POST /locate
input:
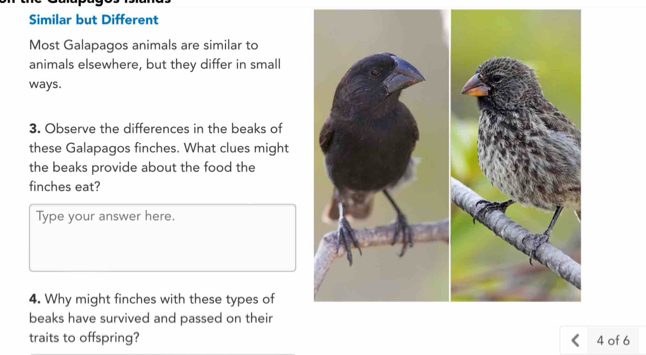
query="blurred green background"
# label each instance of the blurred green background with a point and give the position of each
(340, 39)
(483, 266)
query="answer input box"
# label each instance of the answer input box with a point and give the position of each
(158, 238)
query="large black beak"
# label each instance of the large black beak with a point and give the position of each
(475, 87)
(403, 76)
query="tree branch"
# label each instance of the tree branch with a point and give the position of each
(514, 234)
(367, 237)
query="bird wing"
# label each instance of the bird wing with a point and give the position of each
(325, 137)
(405, 114)
(415, 132)
(557, 121)
(561, 148)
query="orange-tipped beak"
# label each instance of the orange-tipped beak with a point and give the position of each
(475, 87)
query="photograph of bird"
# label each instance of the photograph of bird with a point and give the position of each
(367, 140)
(527, 148)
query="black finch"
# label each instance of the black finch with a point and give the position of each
(367, 141)
(527, 148)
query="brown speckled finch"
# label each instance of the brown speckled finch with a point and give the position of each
(527, 148)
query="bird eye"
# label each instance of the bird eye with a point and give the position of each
(374, 72)
(497, 78)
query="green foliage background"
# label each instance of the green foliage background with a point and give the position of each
(483, 267)
(340, 39)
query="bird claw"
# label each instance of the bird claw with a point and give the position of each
(402, 227)
(536, 240)
(345, 235)
(490, 206)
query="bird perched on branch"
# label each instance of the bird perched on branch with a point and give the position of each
(367, 141)
(527, 148)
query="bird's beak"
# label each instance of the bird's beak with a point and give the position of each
(403, 76)
(475, 87)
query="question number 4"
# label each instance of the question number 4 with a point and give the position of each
(33, 299)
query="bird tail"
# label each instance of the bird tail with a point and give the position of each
(360, 208)
(578, 214)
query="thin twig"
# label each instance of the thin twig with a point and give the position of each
(515, 234)
(367, 237)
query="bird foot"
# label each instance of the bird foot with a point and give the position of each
(490, 206)
(345, 235)
(535, 241)
(402, 227)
